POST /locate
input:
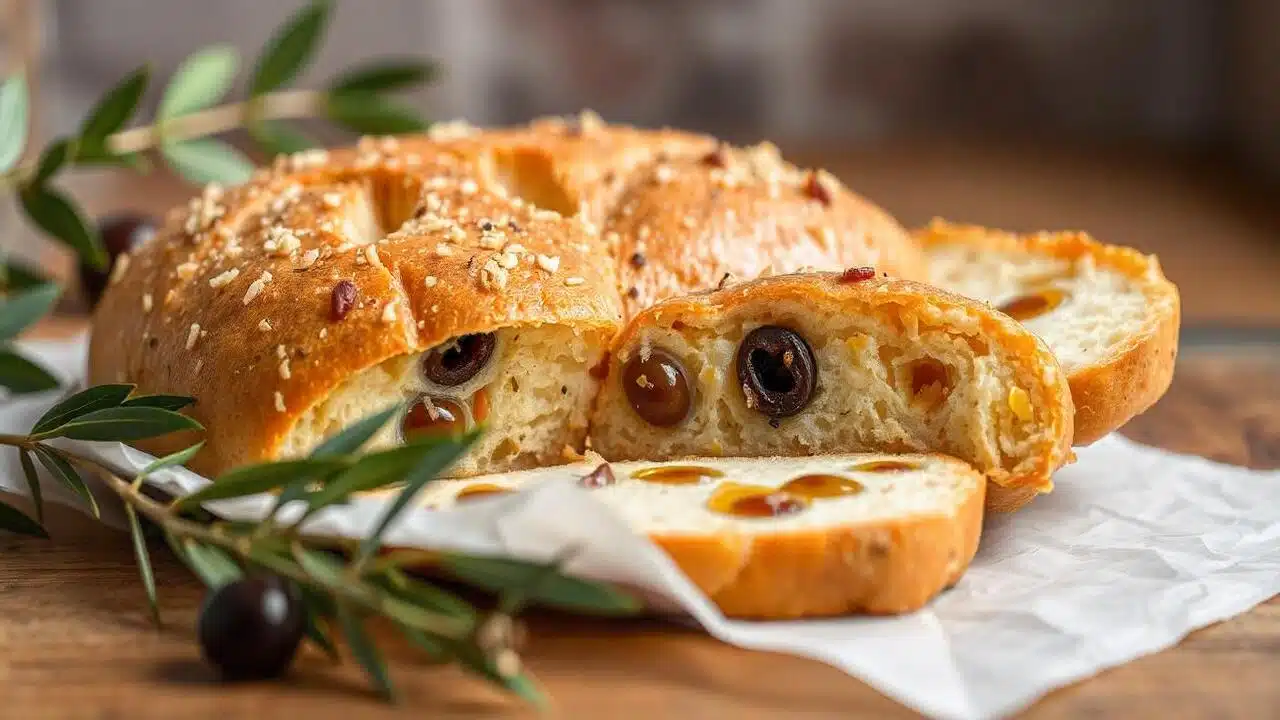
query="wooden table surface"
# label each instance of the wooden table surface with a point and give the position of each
(75, 640)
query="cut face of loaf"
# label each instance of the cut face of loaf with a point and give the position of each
(1107, 312)
(803, 365)
(787, 538)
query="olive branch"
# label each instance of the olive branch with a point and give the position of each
(341, 583)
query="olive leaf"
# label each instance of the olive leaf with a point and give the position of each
(21, 375)
(178, 458)
(398, 583)
(122, 424)
(262, 477)
(518, 684)
(200, 81)
(290, 48)
(63, 472)
(365, 652)
(144, 561)
(115, 108)
(354, 436)
(14, 520)
(16, 276)
(52, 160)
(164, 402)
(424, 471)
(370, 472)
(214, 566)
(13, 120)
(318, 609)
(385, 76)
(372, 114)
(21, 309)
(279, 138)
(54, 213)
(556, 590)
(81, 403)
(205, 160)
(33, 483)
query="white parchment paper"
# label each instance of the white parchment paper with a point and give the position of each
(1136, 548)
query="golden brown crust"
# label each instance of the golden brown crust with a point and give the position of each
(874, 568)
(689, 223)
(1135, 374)
(916, 304)
(259, 358)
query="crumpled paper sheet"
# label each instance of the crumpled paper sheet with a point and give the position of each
(1134, 549)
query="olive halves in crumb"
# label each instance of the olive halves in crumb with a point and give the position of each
(776, 371)
(458, 360)
(657, 388)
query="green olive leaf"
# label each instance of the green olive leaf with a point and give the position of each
(63, 472)
(365, 652)
(14, 520)
(164, 402)
(205, 160)
(115, 108)
(122, 424)
(144, 561)
(53, 212)
(385, 75)
(16, 276)
(276, 137)
(199, 82)
(372, 114)
(178, 458)
(33, 483)
(81, 403)
(21, 375)
(289, 50)
(14, 113)
(503, 575)
(262, 477)
(52, 160)
(211, 563)
(20, 310)
(354, 436)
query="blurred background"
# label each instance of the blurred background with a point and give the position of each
(1152, 123)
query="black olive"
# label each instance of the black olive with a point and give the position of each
(459, 360)
(120, 234)
(657, 388)
(777, 371)
(250, 629)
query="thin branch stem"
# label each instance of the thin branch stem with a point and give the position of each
(291, 104)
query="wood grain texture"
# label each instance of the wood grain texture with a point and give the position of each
(75, 640)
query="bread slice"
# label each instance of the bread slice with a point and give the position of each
(1107, 312)
(893, 532)
(805, 364)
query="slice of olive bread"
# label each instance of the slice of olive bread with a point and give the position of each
(1107, 312)
(805, 364)
(787, 538)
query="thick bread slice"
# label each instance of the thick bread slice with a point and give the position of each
(1114, 328)
(899, 367)
(902, 534)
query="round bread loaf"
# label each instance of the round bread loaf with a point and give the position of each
(776, 538)
(471, 273)
(806, 364)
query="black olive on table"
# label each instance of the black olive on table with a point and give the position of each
(120, 234)
(777, 371)
(250, 629)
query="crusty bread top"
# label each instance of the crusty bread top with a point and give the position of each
(690, 223)
(232, 301)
